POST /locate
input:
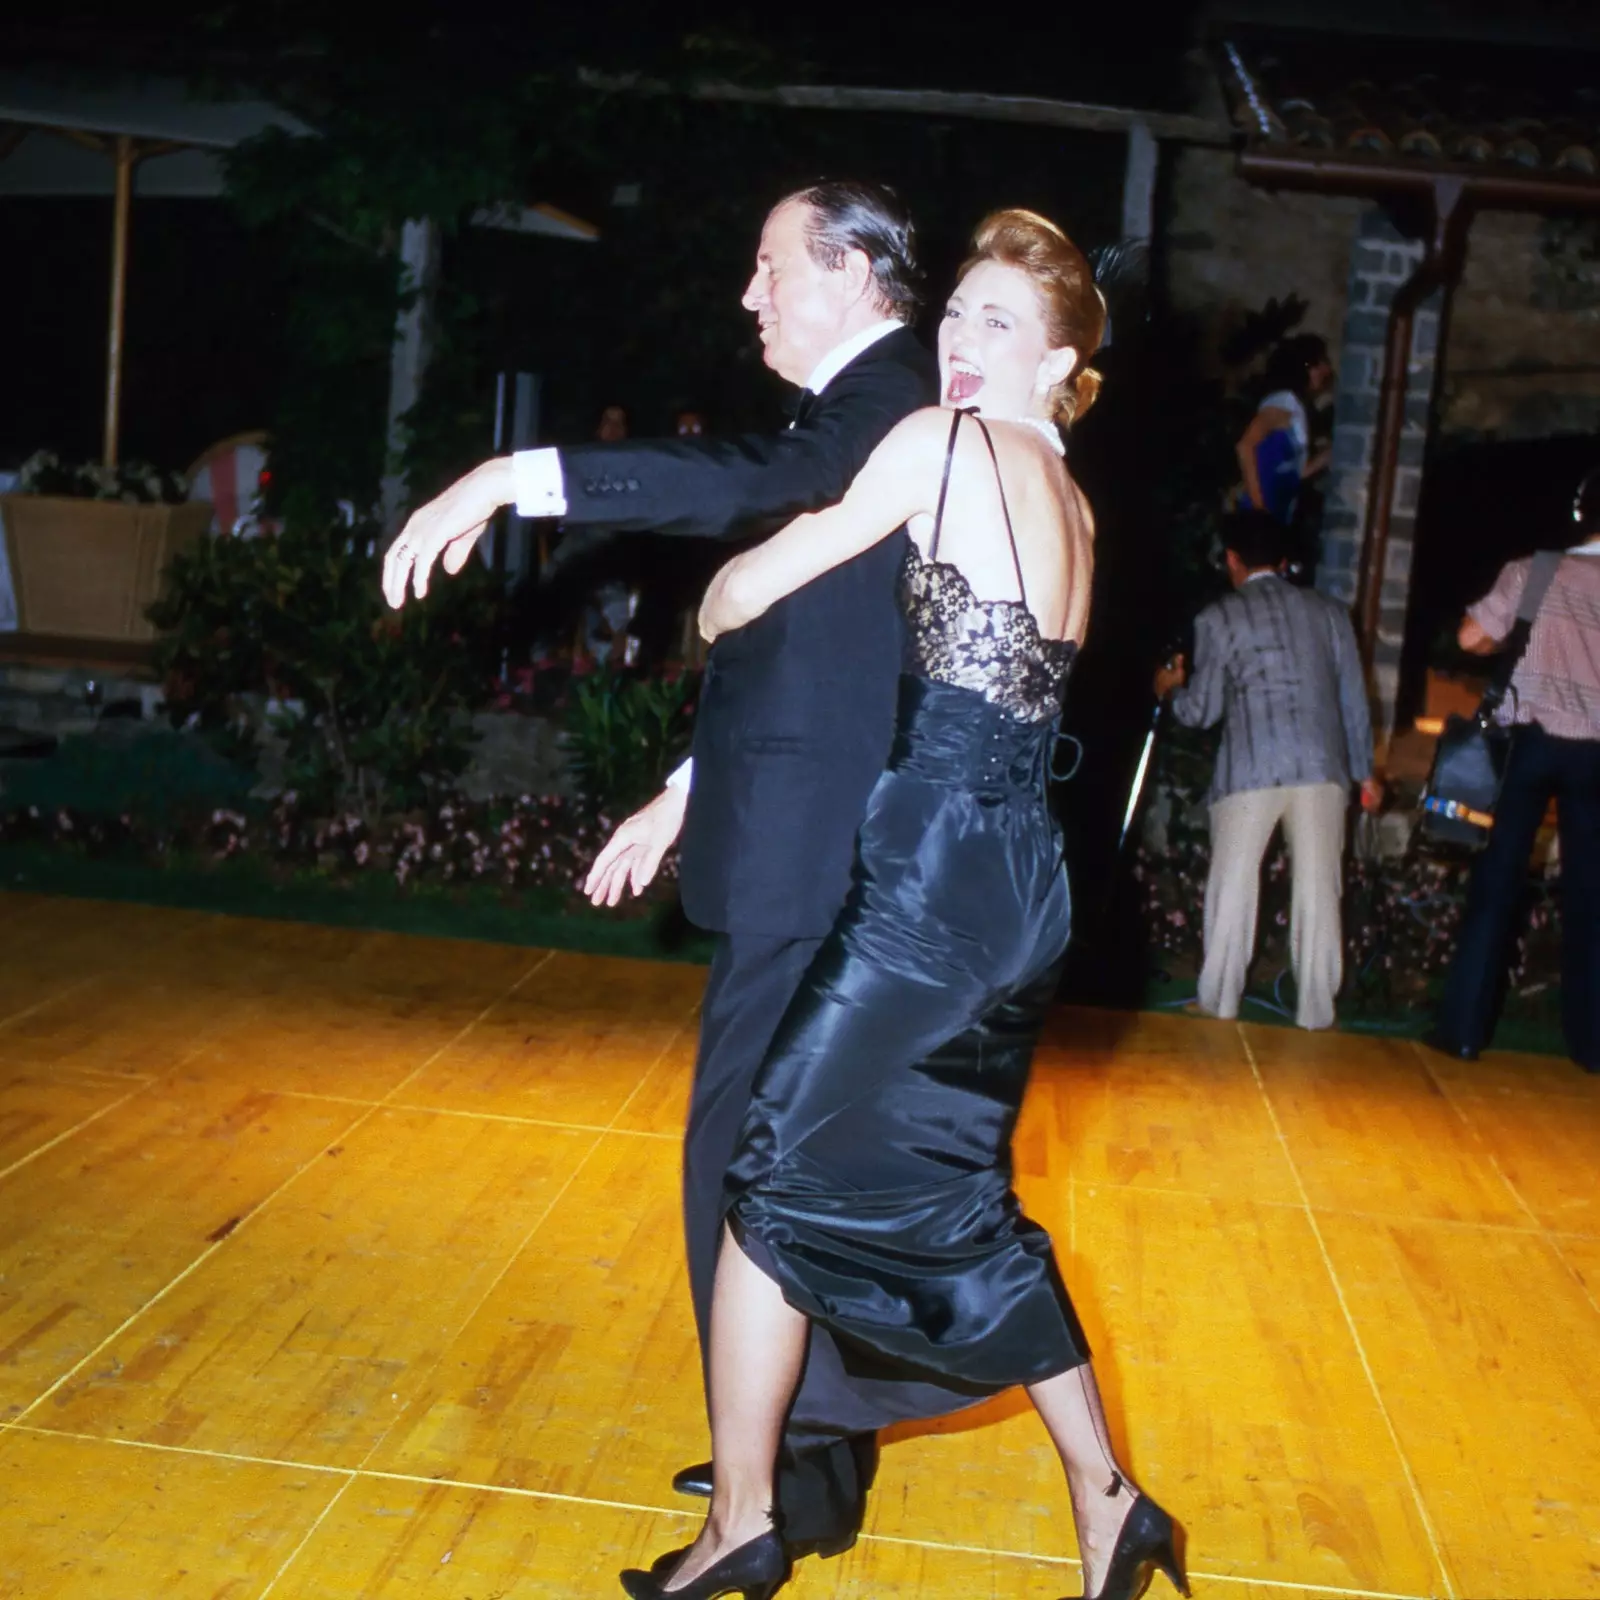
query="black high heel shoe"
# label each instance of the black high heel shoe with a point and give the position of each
(1149, 1541)
(757, 1569)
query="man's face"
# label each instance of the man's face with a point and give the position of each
(802, 308)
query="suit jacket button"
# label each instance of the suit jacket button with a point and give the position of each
(633, 484)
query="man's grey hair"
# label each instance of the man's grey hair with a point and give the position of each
(846, 215)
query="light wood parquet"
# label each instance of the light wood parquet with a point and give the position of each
(341, 1263)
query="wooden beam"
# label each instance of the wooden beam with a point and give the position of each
(78, 136)
(122, 208)
(1012, 108)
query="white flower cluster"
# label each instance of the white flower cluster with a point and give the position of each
(132, 482)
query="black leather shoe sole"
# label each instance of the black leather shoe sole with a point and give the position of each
(695, 1480)
(1448, 1047)
(826, 1549)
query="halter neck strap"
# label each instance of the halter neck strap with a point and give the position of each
(944, 489)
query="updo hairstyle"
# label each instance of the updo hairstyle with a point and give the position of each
(1074, 313)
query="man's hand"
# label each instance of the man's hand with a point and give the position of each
(1372, 792)
(632, 854)
(448, 526)
(1172, 676)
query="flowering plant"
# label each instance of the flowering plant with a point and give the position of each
(131, 482)
(521, 843)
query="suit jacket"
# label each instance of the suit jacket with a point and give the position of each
(796, 711)
(1278, 667)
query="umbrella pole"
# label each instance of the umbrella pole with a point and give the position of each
(125, 158)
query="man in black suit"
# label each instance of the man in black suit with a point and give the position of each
(795, 715)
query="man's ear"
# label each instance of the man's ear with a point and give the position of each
(857, 270)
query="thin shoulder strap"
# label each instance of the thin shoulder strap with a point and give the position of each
(999, 483)
(944, 486)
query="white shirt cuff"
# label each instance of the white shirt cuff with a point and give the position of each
(541, 489)
(680, 777)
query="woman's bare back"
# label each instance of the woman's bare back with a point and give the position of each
(1050, 520)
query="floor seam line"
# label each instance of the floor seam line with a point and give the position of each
(141, 1083)
(483, 1299)
(199, 1261)
(1349, 1318)
(67, 1133)
(517, 1254)
(308, 1535)
(205, 1255)
(516, 1491)
(466, 1111)
(1545, 1234)
(386, 1103)
(644, 1077)
(41, 1005)
(1531, 1229)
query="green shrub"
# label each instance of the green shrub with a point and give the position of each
(624, 734)
(377, 703)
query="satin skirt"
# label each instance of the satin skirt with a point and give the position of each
(872, 1180)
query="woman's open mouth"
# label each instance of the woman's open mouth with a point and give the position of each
(965, 381)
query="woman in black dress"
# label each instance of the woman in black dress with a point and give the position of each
(871, 1191)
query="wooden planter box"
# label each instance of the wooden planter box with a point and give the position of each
(86, 569)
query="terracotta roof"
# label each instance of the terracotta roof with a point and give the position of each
(1420, 105)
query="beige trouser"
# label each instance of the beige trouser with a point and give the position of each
(1313, 816)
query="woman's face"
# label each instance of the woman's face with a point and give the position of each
(994, 354)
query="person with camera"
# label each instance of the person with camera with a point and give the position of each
(1278, 667)
(1554, 710)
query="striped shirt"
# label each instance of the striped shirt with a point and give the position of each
(1557, 682)
(1279, 668)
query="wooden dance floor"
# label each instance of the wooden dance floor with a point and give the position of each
(345, 1264)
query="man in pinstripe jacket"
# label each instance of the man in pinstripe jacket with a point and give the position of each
(1278, 667)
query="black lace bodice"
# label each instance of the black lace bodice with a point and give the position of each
(991, 646)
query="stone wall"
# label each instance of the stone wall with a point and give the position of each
(1522, 356)
(1523, 359)
(1379, 263)
(1230, 246)
(1524, 345)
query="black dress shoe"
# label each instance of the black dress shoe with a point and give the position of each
(694, 1480)
(1448, 1047)
(826, 1549)
(798, 1549)
(756, 1570)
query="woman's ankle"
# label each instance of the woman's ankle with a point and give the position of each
(740, 1518)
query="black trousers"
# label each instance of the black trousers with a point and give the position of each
(1539, 768)
(822, 1479)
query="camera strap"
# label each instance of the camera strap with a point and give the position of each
(1540, 576)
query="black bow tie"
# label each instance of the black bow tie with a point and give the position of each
(802, 407)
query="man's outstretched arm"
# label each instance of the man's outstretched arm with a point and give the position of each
(707, 488)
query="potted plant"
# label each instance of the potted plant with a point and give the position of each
(87, 546)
